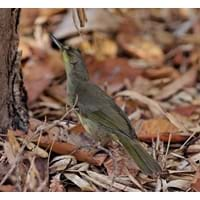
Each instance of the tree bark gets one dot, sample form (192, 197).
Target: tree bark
(13, 106)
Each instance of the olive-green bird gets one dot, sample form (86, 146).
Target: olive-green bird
(98, 113)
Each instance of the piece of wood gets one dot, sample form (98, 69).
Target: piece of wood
(13, 107)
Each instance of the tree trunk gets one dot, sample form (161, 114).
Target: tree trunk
(13, 107)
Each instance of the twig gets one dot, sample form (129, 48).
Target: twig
(191, 136)
(17, 159)
(75, 23)
(167, 150)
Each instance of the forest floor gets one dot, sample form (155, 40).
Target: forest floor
(148, 61)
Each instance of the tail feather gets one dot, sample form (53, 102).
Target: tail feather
(144, 161)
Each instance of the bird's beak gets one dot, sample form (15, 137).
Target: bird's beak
(55, 40)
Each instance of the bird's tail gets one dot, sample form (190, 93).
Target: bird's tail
(144, 160)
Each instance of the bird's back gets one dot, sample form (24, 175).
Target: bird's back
(97, 106)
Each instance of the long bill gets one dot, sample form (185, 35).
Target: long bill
(55, 40)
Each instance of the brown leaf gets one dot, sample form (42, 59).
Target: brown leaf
(186, 79)
(58, 92)
(101, 47)
(120, 162)
(25, 48)
(13, 142)
(47, 12)
(152, 128)
(27, 18)
(141, 47)
(112, 70)
(7, 188)
(49, 141)
(196, 182)
(56, 184)
(154, 106)
(40, 71)
(161, 72)
(187, 110)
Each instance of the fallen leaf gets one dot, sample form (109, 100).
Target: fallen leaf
(36, 178)
(159, 127)
(154, 106)
(36, 150)
(187, 110)
(161, 72)
(7, 188)
(141, 47)
(49, 141)
(180, 184)
(120, 162)
(163, 37)
(112, 70)
(47, 12)
(56, 184)
(58, 92)
(80, 182)
(40, 71)
(60, 163)
(107, 182)
(25, 48)
(186, 79)
(196, 182)
(27, 19)
(14, 144)
(101, 47)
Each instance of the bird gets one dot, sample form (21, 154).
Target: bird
(101, 117)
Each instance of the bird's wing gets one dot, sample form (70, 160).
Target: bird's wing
(97, 106)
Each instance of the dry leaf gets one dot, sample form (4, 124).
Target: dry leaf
(154, 107)
(141, 47)
(27, 19)
(13, 142)
(60, 163)
(152, 104)
(101, 48)
(25, 48)
(7, 188)
(152, 128)
(161, 72)
(112, 70)
(180, 184)
(196, 182)
(56, 184)
(81, 183)
(187, 110)
(40, 71)
(37, 150)
(120, 162)
(186, 79)
(108, 181)
(47, 12)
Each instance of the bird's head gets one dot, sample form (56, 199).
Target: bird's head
(72, 59)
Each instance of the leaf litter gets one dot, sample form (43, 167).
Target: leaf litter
(148, 61)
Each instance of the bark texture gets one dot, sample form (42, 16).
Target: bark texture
(13, 107)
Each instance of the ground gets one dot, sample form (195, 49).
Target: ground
(148, 61)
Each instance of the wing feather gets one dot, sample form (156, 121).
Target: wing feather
(96, 105)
